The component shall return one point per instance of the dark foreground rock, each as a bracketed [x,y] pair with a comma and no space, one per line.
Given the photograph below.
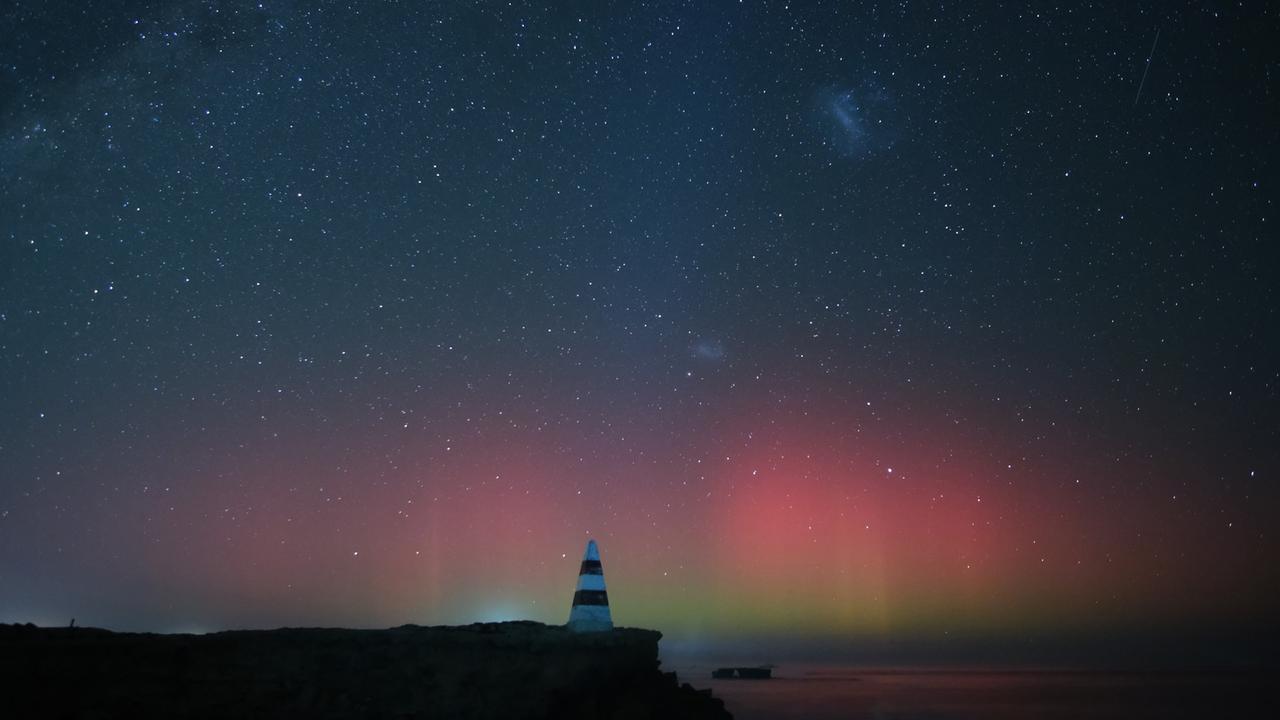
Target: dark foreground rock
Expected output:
[498,670]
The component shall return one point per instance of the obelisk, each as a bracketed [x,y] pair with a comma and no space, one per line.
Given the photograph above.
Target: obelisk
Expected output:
[590,611]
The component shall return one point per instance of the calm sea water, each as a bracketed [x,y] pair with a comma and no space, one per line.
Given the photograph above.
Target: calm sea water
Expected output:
[829,692]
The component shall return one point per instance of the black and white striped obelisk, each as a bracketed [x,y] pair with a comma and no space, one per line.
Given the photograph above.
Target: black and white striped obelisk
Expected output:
[590,611]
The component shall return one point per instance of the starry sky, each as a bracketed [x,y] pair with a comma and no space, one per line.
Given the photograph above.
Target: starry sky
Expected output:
[838,320]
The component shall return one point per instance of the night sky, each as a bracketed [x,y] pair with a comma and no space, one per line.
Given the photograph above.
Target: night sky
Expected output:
[829,320]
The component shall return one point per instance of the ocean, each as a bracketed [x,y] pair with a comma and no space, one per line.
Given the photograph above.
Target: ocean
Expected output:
[827,692]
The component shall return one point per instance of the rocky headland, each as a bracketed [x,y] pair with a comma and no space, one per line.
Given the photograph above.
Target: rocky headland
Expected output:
[492,670]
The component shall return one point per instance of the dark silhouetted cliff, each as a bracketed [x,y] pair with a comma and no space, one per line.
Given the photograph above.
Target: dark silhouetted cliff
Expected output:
[502,670]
